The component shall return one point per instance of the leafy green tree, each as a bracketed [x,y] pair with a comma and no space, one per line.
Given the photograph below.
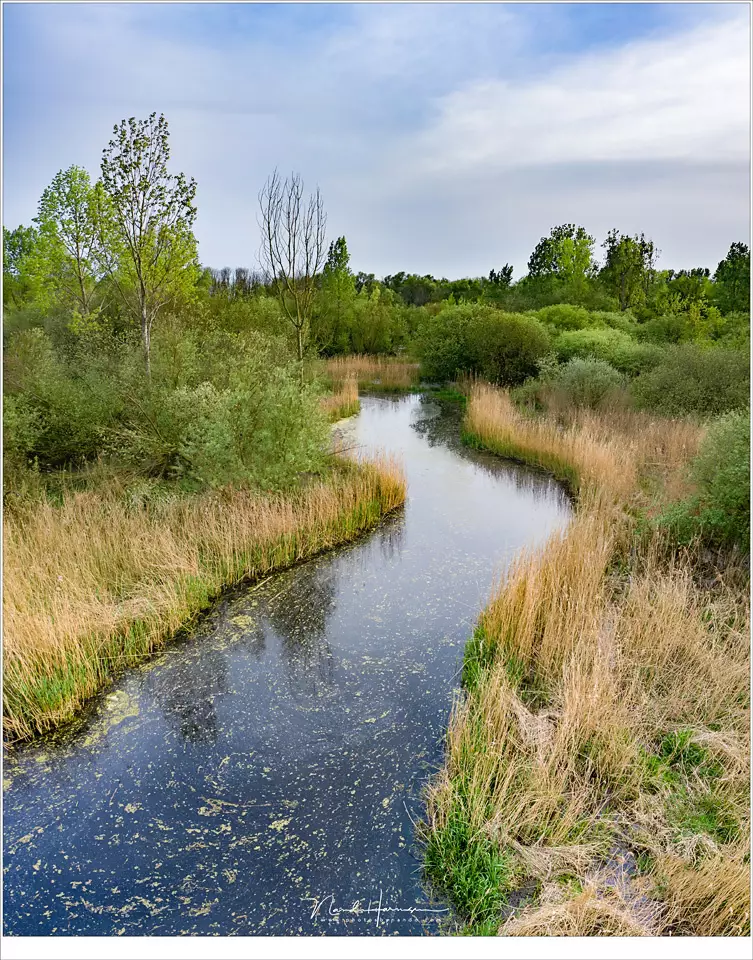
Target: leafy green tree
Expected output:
[21,254]
[566,253]
[70,238]
[336,297]
[147,219]
[629,270]
[501,278]
[732,280]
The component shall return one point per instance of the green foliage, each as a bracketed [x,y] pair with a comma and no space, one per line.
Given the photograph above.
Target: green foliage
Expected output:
[586,382]
[566,316]
[147,219]
[732,280]
[244,420]
[69,255]
[472,338]
[334,310]
[565,257]
[693,380]
[629,271]
[613,346]
[719,512]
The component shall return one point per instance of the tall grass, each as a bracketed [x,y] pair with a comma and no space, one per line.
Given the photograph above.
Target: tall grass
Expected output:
[343,402]
[384,373]
[95,584]
[605,715]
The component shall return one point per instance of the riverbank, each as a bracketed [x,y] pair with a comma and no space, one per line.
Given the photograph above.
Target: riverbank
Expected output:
[597,767]
[96,583]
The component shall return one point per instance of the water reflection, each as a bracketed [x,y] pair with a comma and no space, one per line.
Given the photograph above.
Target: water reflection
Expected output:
[188,696]
[298,615]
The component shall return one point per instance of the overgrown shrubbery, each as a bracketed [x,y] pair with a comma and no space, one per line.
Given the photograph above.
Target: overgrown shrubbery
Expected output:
[694,380]
[219,408]
[586,382]
[566,316]
[502,347]
[719,512]
[613,346]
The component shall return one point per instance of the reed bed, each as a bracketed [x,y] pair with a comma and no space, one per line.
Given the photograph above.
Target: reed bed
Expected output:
[343,402]
[375,372]
[599,757]
[96,584]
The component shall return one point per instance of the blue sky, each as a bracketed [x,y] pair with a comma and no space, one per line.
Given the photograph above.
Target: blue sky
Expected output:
[445,138]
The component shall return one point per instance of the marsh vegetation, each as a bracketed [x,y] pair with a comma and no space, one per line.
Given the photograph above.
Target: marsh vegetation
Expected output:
[167,433]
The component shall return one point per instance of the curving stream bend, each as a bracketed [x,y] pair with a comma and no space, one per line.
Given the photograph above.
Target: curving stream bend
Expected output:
[261,774]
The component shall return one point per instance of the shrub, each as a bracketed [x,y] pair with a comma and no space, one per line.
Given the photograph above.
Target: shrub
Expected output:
[252,424]
[720,510]
[691,379]
[473,338]
[507,347]
[565,316]
[613,346]
[586,382]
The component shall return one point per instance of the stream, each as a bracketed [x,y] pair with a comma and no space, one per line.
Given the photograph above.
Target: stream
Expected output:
[262,773]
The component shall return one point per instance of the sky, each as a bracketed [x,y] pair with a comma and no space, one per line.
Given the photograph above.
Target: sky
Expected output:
[445,138]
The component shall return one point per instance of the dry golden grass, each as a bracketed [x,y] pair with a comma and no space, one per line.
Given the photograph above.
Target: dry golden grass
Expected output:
[343,402]
[606,703]
[386,373]
[95,584]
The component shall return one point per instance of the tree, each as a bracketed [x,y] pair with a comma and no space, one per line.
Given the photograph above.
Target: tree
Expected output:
[20,257]
[564,257]
[732,280]
[336,297]
[630,268]
[70,237]
[147,222]
[292,248]
[501,278]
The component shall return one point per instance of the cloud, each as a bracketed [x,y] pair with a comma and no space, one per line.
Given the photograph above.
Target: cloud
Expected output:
[686,99]
[445,139]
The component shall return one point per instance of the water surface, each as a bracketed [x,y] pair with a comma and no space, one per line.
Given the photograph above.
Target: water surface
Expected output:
[264,772]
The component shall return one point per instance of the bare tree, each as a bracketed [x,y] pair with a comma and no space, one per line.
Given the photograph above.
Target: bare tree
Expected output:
[293,247]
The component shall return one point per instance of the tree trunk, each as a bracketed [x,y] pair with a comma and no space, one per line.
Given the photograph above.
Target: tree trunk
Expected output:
[146,336]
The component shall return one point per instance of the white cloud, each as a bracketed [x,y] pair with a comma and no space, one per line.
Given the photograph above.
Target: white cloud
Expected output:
[686,98]
[442,142]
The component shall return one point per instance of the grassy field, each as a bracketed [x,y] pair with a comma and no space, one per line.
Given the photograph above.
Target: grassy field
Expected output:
[597,767]
[97,582]
[383,373]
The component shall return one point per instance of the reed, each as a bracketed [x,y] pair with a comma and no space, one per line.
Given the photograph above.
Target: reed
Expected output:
[605,709]
[96,584]
[374,372]
[343,402]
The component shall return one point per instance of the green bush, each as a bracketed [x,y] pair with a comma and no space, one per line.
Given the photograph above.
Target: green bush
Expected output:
[586,382]
[565,316]
[507,347]
[613,346]
[719,512]
[473,338]
[73,403]
[250,424]
[691,379]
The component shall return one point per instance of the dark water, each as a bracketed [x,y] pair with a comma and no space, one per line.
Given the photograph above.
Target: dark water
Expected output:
[263,773]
